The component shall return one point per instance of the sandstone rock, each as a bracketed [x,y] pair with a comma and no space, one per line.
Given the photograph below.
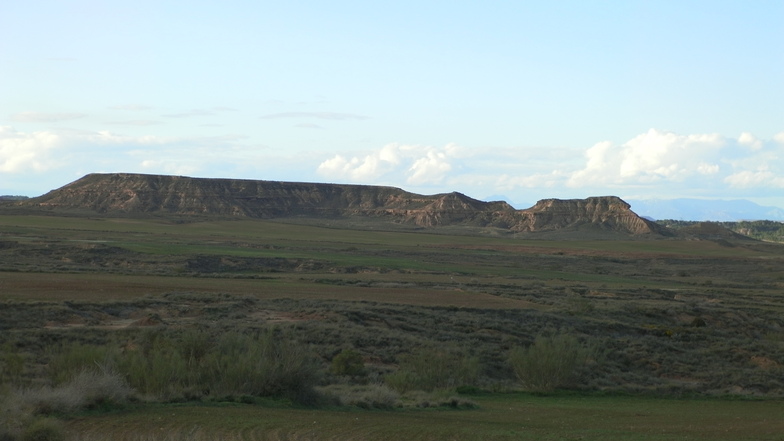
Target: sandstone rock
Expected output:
[123,193]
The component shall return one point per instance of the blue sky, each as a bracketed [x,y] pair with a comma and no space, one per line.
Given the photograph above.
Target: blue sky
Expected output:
[529,100]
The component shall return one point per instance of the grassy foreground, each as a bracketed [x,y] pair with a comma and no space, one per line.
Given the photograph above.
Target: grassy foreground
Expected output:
[500,417]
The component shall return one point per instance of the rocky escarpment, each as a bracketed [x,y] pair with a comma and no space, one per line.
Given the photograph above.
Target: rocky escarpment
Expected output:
[608,212]
[134,194]
[138,193]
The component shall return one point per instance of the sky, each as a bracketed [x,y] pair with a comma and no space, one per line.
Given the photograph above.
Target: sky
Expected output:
[522,100]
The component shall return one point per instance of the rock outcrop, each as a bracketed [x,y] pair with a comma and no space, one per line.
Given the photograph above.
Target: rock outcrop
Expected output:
[608,212]
[122,193]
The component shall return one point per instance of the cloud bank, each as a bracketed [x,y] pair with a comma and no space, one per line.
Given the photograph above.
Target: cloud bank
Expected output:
[56,151]
[414,165]
[651,158]
[654,164]
[702,162]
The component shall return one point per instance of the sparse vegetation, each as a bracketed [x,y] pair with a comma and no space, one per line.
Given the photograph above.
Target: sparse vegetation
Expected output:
[365,396]
[44,429]
[348,362]
[552,362]
[367,319]
[429,369]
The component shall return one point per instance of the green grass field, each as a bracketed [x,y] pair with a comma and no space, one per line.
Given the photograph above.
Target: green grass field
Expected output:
[500,417]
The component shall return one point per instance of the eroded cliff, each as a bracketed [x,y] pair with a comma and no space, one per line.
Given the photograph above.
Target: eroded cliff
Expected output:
[607,212]
[123,193]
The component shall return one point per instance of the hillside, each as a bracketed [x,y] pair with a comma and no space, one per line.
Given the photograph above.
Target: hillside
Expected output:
[772,231]
[138,194]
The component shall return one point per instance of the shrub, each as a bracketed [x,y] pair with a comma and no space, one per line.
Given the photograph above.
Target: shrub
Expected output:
[11,364]
[437,399]
[551,362]
[157,369]
[262,365]
[451,402]
[70,360]
[430,369]
[44,429]
[100,387]
[348,362]
[192,364]
[12,417]
[194,346]
[371,396]
[88,389]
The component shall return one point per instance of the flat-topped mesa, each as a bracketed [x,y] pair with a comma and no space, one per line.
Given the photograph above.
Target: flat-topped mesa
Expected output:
[605,212]
[139,194]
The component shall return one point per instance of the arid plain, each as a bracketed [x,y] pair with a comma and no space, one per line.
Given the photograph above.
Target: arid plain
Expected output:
[362,328]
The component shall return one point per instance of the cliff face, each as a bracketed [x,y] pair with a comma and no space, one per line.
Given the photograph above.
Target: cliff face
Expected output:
[608,212]
[134,193]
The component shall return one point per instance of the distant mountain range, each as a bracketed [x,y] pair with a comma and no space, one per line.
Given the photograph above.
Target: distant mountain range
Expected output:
[705,210]
[12,198]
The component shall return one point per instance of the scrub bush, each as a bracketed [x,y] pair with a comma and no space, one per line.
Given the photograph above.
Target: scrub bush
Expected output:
[348,362]
[44,429]
[432,369]
[551,362]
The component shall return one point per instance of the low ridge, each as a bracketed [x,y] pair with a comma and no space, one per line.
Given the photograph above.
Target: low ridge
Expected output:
[124,193]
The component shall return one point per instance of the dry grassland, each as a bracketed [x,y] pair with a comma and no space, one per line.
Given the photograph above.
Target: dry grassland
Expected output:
[663,318]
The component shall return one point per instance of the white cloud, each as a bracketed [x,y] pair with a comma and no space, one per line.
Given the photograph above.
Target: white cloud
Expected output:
[356,169]
[758,178]
[749,140]
[389,153]
[654,156]
[415,165]
[40,117]
[664,164]
[430,169]
[21,152]
[44,151]
[656,163]
[708,169]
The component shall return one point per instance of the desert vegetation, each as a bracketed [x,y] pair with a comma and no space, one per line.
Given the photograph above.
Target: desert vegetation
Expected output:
[111,320]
